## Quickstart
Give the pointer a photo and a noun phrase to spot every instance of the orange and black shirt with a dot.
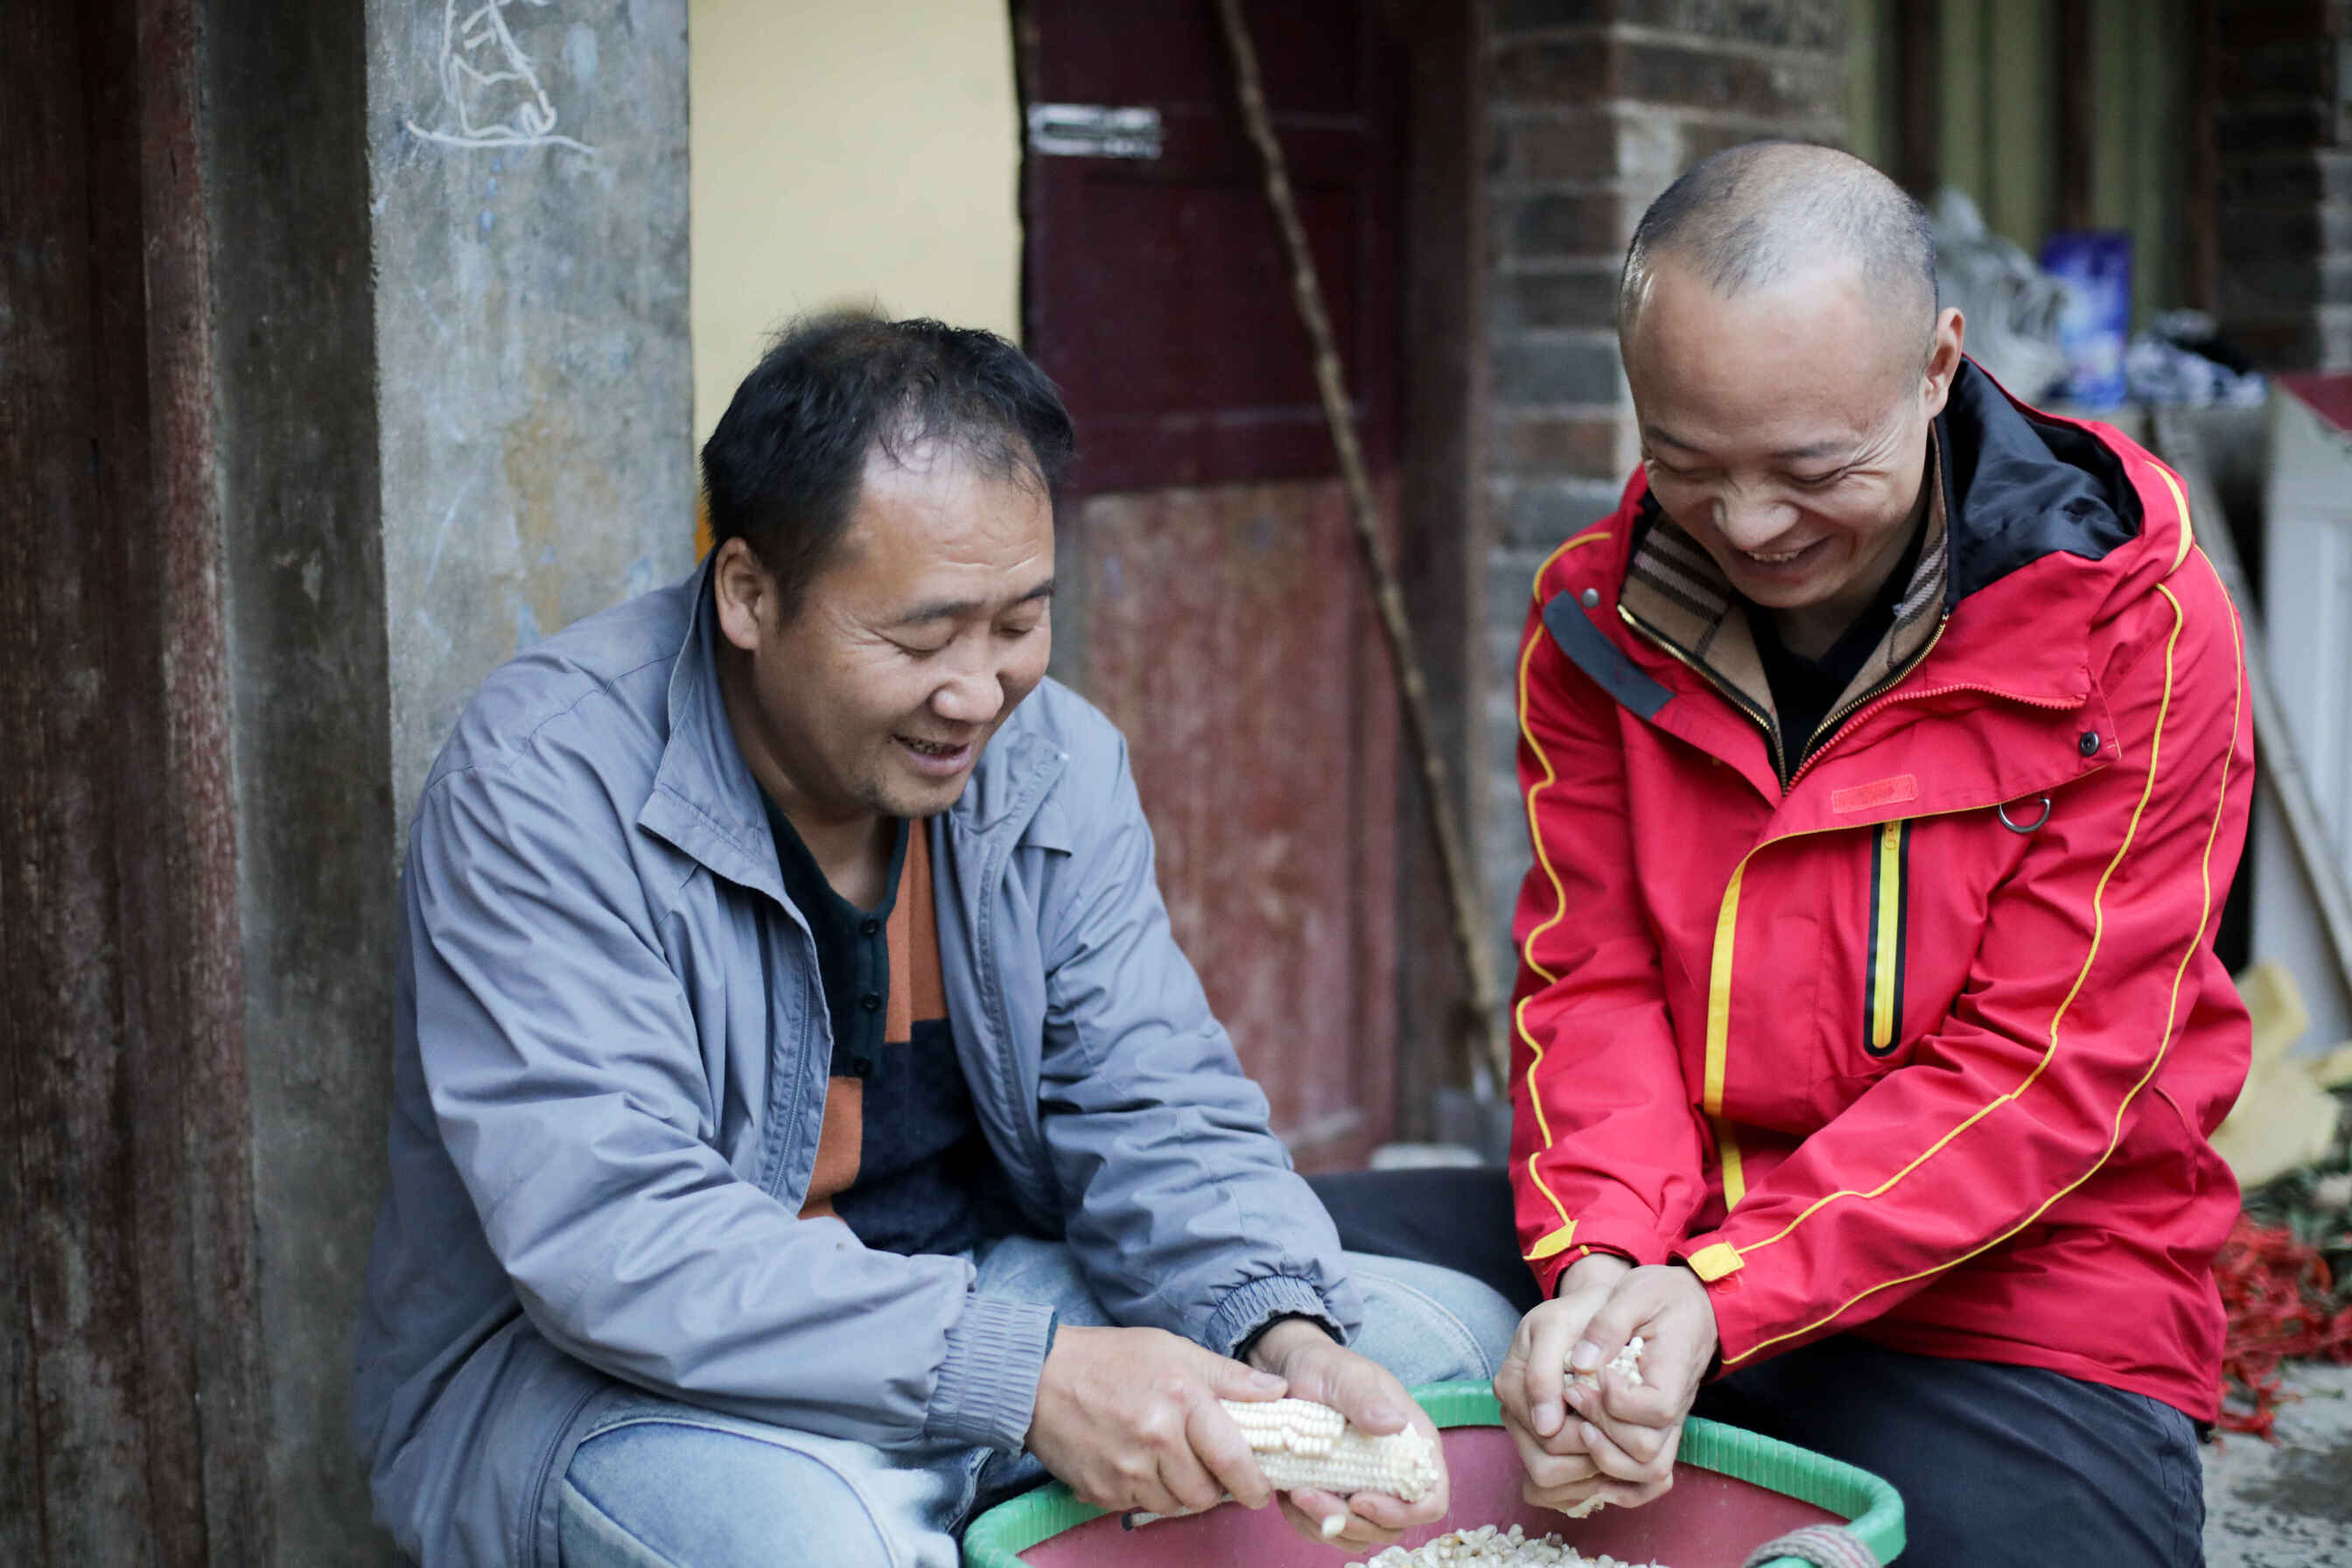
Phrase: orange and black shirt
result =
(902, 1160)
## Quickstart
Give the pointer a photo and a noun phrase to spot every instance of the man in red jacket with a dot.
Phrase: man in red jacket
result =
(1887, 757)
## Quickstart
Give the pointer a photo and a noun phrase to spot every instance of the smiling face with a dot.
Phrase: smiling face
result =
(922, 630)
(1785, 428)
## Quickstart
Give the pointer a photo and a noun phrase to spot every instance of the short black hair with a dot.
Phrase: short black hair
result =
(783, 470)
(1748, 216)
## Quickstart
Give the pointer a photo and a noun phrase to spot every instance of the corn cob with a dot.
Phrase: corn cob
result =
(1299, 1443)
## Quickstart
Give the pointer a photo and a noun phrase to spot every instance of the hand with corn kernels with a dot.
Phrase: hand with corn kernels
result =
(1531, 1385)
(1315, 1366)
(1130, 1419)
(1632, 1429)
(1588, 1431)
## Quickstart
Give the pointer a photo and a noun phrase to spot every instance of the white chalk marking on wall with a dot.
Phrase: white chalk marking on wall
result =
(481, 66)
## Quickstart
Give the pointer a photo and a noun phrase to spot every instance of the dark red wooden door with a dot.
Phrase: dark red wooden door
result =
(1219, 614)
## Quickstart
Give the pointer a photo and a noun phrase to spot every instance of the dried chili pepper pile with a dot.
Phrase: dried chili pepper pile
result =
(2283, 1302)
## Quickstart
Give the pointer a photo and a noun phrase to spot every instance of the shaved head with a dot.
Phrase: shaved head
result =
(1786, 362)
(1771, 213)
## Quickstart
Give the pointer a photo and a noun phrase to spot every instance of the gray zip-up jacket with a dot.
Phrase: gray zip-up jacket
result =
(611, 1061)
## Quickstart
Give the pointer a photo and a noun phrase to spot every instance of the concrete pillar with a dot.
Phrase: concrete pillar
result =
(416, 484)
(532, 346)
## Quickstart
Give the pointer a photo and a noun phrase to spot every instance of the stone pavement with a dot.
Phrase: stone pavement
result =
(2288, 1506)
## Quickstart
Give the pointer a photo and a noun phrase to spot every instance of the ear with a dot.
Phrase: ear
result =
(745, 593)
(1944, 358)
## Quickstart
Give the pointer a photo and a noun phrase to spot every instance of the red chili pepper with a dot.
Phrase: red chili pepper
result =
(2283, 1304)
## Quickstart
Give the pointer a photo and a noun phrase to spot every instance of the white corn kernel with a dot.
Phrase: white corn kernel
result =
(1627, 1363)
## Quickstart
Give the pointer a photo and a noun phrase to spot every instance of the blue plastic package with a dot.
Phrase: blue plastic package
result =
(2096, 323)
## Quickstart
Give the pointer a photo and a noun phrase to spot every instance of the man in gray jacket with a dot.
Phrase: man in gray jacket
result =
(806, 1129)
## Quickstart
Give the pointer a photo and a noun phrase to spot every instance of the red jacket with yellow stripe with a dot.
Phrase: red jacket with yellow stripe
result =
(1920, 1036)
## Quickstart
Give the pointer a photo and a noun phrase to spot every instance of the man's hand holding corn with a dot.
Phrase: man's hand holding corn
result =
(1135, 1419)
(1584, 1429)
(1315, 1366)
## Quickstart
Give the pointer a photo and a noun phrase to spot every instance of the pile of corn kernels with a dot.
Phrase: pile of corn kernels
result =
(1488, 1547)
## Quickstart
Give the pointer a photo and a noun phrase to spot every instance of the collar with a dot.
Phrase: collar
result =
(1677, 595)
(809, 887)
(705, 800)
(2026, 486)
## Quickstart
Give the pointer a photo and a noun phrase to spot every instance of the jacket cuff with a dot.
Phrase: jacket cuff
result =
(1720, 1268)
(987, 1389)
(1637, 1243)
(1252, 1304)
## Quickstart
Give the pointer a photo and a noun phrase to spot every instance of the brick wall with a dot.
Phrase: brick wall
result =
(1594, 107)
(2283, 143)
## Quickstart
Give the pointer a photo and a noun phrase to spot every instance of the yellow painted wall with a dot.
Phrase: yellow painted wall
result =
(848, 152)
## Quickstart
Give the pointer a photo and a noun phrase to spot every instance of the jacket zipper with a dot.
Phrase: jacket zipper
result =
(1883, 954)
(1716, 1060)
(1001, 844)
(1763, 721)
(2048, 704)
(1836, 720)
(1716, 1067)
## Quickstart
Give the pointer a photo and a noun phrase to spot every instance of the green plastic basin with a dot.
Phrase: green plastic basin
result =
(1733, 1491)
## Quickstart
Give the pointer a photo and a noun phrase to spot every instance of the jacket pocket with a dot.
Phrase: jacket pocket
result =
(1890, 900)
